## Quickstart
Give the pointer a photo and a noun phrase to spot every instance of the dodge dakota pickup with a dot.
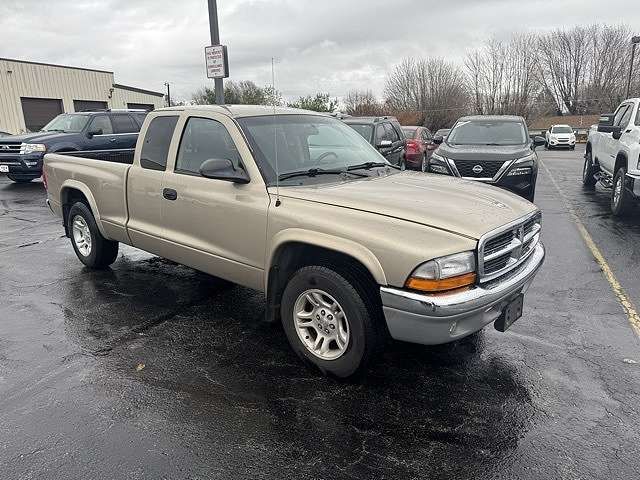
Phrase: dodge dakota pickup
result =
(347, 248)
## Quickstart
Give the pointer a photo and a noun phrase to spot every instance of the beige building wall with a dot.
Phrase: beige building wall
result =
(38, 80)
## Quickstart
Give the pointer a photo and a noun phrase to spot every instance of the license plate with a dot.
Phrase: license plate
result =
(511, 313)
(4, 168)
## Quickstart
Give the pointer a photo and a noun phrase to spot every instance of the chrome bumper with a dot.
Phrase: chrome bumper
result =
(432, 320)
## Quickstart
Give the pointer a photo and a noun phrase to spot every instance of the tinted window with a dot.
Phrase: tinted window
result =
(204, 139)
(487, 132)
(390, 133)
(638, 118)
(380, 134)
(362, 129)
(409, 132)
(124, 124)
(624, 121)
(622, 110)
(102, 122)
(140, 117)
(156, 142)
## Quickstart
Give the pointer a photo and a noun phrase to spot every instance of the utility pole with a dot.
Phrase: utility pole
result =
(634, 41)
(166, 84)
(215, 40)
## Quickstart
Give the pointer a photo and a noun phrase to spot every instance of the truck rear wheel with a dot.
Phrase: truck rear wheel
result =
(90, 246)
(621, 199)
(329, 322)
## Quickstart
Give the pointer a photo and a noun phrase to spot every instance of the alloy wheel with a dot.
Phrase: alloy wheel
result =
(81, 235)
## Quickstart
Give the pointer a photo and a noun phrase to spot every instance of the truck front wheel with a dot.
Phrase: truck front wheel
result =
(90, 246)
(621, 199)
(588, 172)
(330, 322)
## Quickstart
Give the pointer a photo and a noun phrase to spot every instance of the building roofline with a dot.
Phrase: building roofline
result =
(138, 90)
(54, 65)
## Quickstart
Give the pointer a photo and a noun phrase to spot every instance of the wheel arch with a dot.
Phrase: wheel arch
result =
(72, 191)
(621, 160)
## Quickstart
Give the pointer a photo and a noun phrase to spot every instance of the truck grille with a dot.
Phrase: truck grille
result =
(489, 168)
(9, 148)
(501, 251)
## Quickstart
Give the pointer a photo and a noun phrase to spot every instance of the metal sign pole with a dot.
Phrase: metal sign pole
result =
(215, 40)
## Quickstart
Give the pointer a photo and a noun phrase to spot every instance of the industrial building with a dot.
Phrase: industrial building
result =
(33, 93)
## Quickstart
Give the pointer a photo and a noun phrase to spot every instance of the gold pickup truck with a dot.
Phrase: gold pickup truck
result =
(347, 248)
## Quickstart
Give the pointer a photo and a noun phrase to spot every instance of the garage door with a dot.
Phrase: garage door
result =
(39, 111)
(141, 106)
(86, 105)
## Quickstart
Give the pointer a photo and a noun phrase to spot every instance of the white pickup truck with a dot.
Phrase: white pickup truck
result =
(613, 156)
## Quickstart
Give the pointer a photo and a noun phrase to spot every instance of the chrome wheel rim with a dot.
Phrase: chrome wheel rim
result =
(321, 324)
(617, 191)
(81, 235)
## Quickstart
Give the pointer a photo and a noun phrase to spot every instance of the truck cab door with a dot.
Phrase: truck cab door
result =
(609, 146)
(214, 225)
(100, 134)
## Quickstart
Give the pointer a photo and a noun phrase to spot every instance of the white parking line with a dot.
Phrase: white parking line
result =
(621, 295)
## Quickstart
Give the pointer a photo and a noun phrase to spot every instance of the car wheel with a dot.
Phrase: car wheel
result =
(19, 180)
(588, 172)
(330, 322)
(90, 246)
(573, 147)
(621, 199)
(425, 164)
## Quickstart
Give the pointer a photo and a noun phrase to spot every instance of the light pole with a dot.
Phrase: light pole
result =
(634, 41)
(215, 40)
(166, 84)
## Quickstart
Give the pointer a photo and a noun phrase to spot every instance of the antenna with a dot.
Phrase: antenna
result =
(275, 130)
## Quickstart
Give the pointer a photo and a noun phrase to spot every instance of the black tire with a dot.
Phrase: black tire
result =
(624, 202)
(19, 180)
(588, 172)
(102, 252)
(363, 313)
(425, 164)
(532, 195)
(573, 147)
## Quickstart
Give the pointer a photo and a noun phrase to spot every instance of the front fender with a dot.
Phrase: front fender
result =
(331, 242)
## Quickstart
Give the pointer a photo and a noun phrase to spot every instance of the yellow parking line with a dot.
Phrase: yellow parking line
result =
(618, 291)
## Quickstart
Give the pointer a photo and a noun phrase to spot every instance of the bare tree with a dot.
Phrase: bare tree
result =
(363, 103)
(433, 87)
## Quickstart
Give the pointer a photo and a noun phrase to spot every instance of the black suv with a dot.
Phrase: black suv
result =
(112, 130)
(491, 149)
(384, 133)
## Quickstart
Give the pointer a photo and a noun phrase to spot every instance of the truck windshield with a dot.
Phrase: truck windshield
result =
(295, 143)
(68, 123)
(487, 132)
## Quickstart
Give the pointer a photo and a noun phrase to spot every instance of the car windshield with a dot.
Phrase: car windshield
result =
(305, 143)
(487, 132)
(563, 129)
(68, 123)
(363, 129)
(409, 132)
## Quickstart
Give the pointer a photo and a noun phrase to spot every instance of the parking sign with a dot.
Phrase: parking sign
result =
(216, 61)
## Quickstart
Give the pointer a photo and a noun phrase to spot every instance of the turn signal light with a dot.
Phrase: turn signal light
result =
(443, 285)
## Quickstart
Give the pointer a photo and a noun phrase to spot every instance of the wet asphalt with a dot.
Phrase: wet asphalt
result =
(152, 370)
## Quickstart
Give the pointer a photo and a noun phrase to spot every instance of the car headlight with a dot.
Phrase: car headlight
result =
(444, 273)
(438, 164)
(27, 148)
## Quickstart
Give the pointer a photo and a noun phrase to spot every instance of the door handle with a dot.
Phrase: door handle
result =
(112, 139)
(169, 194)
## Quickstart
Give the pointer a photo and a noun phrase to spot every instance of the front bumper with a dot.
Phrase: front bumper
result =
(23, 166)
(562, 143)
(436, 319)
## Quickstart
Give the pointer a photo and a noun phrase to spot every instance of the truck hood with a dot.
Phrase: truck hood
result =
(36, 137)
(459, 206)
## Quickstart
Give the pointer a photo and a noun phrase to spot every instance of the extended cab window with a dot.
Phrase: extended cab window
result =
(156, 142)
(124, 124)
(204, 139)
(102, 122)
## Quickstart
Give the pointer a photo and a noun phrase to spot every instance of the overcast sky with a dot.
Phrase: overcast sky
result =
(328, 45)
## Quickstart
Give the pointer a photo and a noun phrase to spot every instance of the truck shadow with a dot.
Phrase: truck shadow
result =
(219, 372)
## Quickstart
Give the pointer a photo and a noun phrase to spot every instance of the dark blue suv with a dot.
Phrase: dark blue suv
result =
(95, 131)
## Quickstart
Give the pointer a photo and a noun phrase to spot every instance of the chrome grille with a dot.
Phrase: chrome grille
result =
(505, 248)
(9, 148)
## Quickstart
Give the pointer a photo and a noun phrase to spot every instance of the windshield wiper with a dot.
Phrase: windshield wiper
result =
(312, 172)
(370, 165)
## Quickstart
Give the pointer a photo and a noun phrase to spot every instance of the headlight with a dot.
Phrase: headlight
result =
(444, 273)
(27, 148)
(438, 164)
(529, 158)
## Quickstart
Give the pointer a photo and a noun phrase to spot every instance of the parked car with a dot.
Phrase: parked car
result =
(384, 133)
(441, 133)
(97, 131)
(560, 136)
(296, 204)
(612, 156)
(491, 149)
(419, 147)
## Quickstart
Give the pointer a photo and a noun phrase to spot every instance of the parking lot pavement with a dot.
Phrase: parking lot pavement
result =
(150, 370)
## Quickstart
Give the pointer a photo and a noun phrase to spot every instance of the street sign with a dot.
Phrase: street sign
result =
(217, 61)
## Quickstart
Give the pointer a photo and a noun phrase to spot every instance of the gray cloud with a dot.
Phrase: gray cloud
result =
(330, 46)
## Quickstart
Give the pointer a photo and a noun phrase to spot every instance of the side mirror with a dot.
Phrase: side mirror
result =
(538, 141)
(94, 132)
(438, 140)
(222, 169)
(385, 144)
